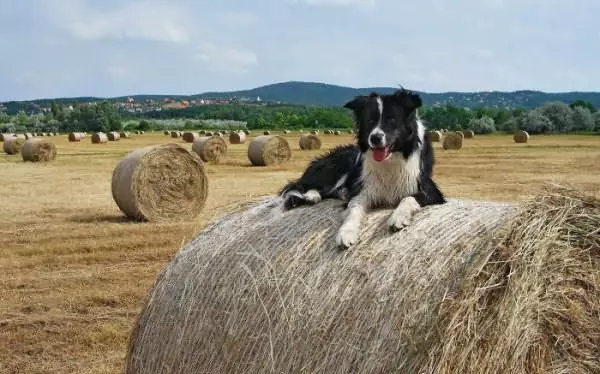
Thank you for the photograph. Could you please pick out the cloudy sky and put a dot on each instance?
(58, 48)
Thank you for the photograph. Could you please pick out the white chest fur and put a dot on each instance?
(387, 183)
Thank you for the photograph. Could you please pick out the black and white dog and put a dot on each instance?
(390, 166)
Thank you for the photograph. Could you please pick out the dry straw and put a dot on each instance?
(452, 140)
(435, 136)
(521, 136)
(28, 136)
(470, 287)
(247, 132)
(175, 134)
(315, 132)
(210, 148)
(468, 134)
(113, 136)
(99, 138)
(12, 146)
(160, 183)
(125, 135)
(267, 150)
(337, 132)
(3, 136)
(266, 132)
(166, 133)
(38, 150)
(309, 142)
(237, 137)
(190, 137)
(76, 136)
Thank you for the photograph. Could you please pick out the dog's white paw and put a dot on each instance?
(312, 196)
(403, 214)
(347, 236)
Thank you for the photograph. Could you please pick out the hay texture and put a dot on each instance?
(210, 148)
(99, 138)
(125, 135)
(76, 136)
(12, 146)
(315, 132)
(309, 142)
(38, 150)
(29, 135)
(268, 150)
(166, 133)
(266, 132)
(113, 136)
(237, 137)
(469, 134)
(190, 137)
(247, 132)
(452, 140)
(175, 134)
(160, 183)
(521, 137)
(434, 136)
(470, 287)
(3, 136)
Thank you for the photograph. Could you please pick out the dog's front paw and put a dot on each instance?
(312, 197)
(403, 214)
(346, 237)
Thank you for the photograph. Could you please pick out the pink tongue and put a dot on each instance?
(379, 154)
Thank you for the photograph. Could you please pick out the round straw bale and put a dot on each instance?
(125, 135)
(28, 135)
(315, 132)
(160, 183)
(174, 134)
(452, 140)
(469, 287)
(99, 138)
(267, 150)
(309, 142)
(208, 133)
(460, 133)
(286, 131)
(468, 134)
(190, 137)
(267, 132)
(350, 131)
(137, 132)
(210, 148)
(38, 150)
(247, 132)
(76, 136)
(237, 137)
(327, 132)
(21, 136)
(337, 132)
(4, 136)
(12, 146)
(202, 132)
(434, 136)
(521, 136)
(113, 136)
(166, 132)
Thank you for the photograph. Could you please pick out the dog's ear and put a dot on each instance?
(357, 103)
(408, 99)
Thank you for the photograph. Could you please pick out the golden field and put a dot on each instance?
(74, 272)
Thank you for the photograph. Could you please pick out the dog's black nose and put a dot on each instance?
(376, 139)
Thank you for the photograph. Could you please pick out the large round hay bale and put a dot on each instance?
(28, 136)
(327, 132)
(12, 146)
(434, 136)
(337, 132)
(315, 132)
(210, 148)
(237, 137)
(266, 132)
(113, 136)
(76, 136)
(175, 134)
(267, 150)
(452, 140)
(190, 137)
(521, 136)
(247, 132)
(4, 136)
(208, 133)
(166, 132)
(286, 131)
(160, 183)
(470, 287)
(99, 138)
(309, 142)
(125, 135)
(38, 150)
(468, 134)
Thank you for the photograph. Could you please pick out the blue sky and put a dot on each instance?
(57, 48)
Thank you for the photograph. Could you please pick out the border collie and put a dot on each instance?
(390, 166)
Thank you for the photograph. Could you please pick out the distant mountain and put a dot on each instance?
(321, 94)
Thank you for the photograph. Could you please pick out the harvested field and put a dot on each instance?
(74, 271)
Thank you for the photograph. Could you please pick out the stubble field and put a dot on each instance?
(74, 272)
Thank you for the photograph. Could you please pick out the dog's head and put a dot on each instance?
(386, 123)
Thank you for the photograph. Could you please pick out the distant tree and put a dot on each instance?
(582, 119)
(4, 117)
(483, 125)
(583, 104)
(22, 119)
(559, 114)
(597, 121)
(510, 125)
(144, 125)
(535, 122)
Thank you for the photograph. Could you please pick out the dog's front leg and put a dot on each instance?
(348, 232)
(410, 205)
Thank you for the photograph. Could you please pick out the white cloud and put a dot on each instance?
(224, 58)
(368, 3)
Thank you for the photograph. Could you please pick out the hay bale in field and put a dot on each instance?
(76, 136)
(12, 146)
(99, 138)
(350, 131)
(286, 131)
(38, 150)
(470, 287)
(268, 150)
(160, 183)
(202, 132)
(113, 136)
(434, 136)
(337, 132)
(266, 132)
(468, 134)
(309, 142)
(4, 136)
(208, 133)
(247, 132)
(125, 135)
(452, 140)
(210, 148)
(175, 134)
(28, 136)
(21, 136)
(315, 132)
(237, 138)
(327, 132)
(521, 136)
(190, 137)
(166, 133)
